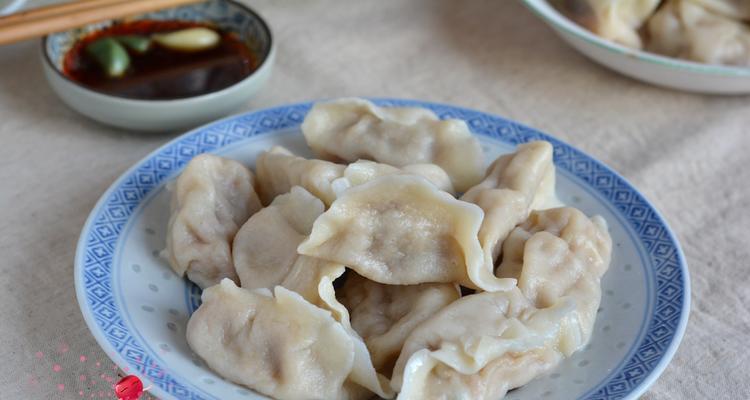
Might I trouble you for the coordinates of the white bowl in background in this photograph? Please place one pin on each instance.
(166, 115)
(648, 67)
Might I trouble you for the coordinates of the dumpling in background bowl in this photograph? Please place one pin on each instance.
(615, 33)
(684, 29)
(616, 20)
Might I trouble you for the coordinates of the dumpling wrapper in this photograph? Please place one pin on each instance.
(529, 170)
(279, 345)
(364, 171)
(515, 184)
(279, 170)
(615, 20)
(266, 255)
(558, 256)
(684, 29)
(560, 253)
(734, 9)
(350, 129)
(428, 378)
(481, 346)
(265, 248)
(211, 199)
(313, 279)
(384, 315)
(401, 230)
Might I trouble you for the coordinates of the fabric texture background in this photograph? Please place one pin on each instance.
(687, 153)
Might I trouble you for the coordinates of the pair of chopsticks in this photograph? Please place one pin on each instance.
(60, 17)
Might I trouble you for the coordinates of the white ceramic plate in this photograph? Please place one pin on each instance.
(137, 309)
(648, 67)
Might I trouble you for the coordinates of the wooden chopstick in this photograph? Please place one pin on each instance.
(42, 21)
(59, 8)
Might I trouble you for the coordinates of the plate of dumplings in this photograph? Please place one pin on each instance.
(693, 45)
(380, 248)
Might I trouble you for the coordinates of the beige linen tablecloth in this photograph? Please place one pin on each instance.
(689, 154)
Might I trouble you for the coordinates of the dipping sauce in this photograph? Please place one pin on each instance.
(162, 73)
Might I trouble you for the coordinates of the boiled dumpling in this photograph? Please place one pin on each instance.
(529, 170)
(433, 173)
(280, 345)
(615, 20)
(211, 199)
(279, 170)
(682, 28)
(265, 248)
(266, 255)
(353, 129)
(364, 171)
(560, 253)
(515, 184)
(384, 315)
(665, 31)
(735, 9)
(313, 279)
(428, 378)
(503, 210)
(479, 347)
(400, 229)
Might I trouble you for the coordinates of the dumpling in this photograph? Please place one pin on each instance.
(515, 184)
(279, 170)
(265, 248)
(266, 255)
(364, 171)
(735, 9)
(265, 252)
(615, 20)
(352, 129)
(400, 229)
(529, 170)
(211, 199)
(428, 378)
(503, 210)
(433, 173)
(666, 35)
(384, 315)
(560, 253)
(313, 279)
(684, 29)
(479, 347)
(280, 345)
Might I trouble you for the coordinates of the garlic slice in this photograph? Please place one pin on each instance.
(191, 39)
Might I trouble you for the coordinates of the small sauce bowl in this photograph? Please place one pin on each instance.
(165, 115)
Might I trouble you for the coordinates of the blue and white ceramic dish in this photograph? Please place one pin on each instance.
(137, 309)
(164, 115)
(649, 67)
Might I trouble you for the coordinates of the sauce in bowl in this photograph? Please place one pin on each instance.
(161, 72)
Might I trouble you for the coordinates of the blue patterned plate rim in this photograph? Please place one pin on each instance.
(95, 250)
